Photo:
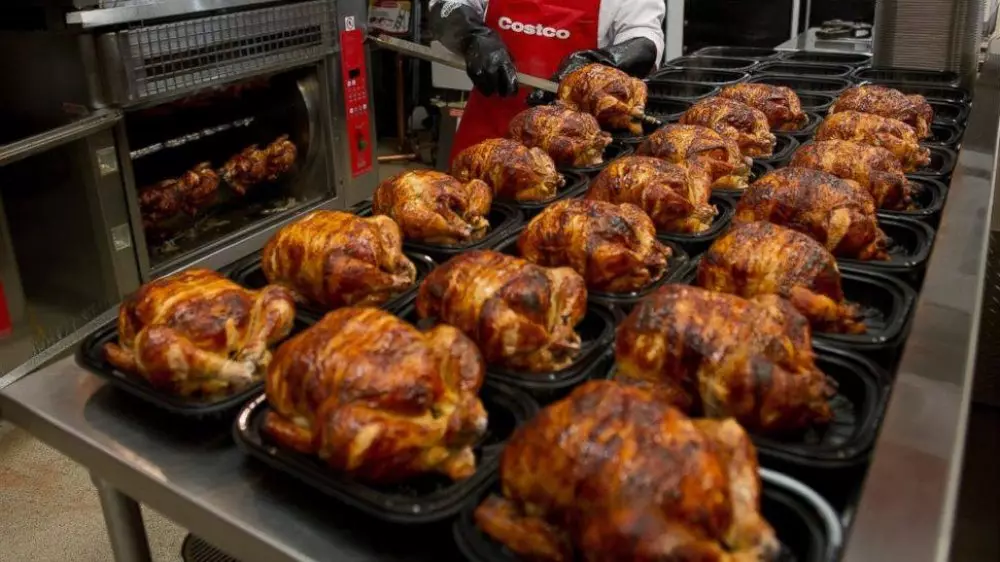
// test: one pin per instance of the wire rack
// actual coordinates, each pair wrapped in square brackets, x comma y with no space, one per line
[192,54]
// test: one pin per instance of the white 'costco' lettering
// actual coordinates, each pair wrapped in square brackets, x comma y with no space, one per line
[508,24]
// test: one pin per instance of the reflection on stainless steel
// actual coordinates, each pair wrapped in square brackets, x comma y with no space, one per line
[807,41]
[52,138]
[182,140]
[127,11]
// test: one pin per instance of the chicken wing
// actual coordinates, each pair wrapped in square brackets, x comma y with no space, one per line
[513,170]
[572,138]
[887,102]
[435,208]
[720,156]
[874,130]
[780,104]
[874,168]
[736,121]
[607,93]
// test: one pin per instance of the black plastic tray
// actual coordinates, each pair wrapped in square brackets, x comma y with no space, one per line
[950,113]
[696,244]
[715,63]
[612,152]
[687,91]
[752,53]
[928,194]
[249,273]
[576,185]
[426,499]
[821,57]
[805,84]
[667,110]
[910,244]
[710,76]
[806,525]
[758,169]
[785,145]
[807,131]
[90,356]
[908,75]
[932,92]
[943,162]
[816,102]
[503,218]
[804,69]
[944,135]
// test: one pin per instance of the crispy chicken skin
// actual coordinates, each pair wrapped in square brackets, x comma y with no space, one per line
[760,258]
[331,259]
[874,130]
[376,398]
[734,120]
[614,247]
[520,314]
[683,144]
[887,102]
[513,170]
[719,355]
[572,138]
[839,214]
[780,104]
[253,165]
[874,168]
[607,93]
[614,473]
[191,192]
[198,333]
[435,208]
[675,197]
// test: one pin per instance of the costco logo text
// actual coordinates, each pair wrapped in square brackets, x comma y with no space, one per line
[532,29]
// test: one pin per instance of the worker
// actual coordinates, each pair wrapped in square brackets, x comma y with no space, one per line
[544,38]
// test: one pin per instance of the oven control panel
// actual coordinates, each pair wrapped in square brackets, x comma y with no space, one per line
[355,76]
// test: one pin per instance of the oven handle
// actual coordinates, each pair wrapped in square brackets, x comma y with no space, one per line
[29,146]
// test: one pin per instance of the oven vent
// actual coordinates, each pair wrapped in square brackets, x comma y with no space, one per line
[147,62]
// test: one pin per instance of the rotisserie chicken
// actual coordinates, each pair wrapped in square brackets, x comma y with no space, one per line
[196,333]
[254,165]
[614,473]
[376,398]
[683,144]
[435,208]
[887,102]
[513,170]
[720,355]
[607,93]
[572,138]
[874,168]
[780,104]
[874,130]
[675,197]
[190,193]
[520,314]
[839,214]
[734,120]
[331,259]
[760,258]
[614,247]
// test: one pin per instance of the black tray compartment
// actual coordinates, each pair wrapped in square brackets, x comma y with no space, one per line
[612,152]
[944,135]
[758,169]
[424,500]
[709,76]
[816,102]
[933,92]
[950,113]
[928,194]
[749,53]
[686,91]
[804,69]
[907,75]
[943,162]
[806,525]
[807,131]
[785,145]
[575,186]
[910,244]
[667,110]
[822,57]
[696,244]
[713,63]
[805,84]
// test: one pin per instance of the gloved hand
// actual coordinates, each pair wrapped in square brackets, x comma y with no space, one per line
[636,57]
[487,62]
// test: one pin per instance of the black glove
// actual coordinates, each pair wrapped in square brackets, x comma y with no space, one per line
[636,57]
[487,61]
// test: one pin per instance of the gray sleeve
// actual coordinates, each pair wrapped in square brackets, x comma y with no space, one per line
[478,5]
[639,18]
[450,31]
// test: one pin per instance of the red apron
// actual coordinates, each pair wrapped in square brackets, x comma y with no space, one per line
[539,34]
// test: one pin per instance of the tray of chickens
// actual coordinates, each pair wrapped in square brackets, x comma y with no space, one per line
[823,57]
[714,63]
[808,69]
[562,468]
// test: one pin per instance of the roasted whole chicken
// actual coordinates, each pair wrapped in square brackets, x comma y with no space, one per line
[520,314]
[675,197]
[331,259]
[255,165]
[572,138]
[694,144]
[376,398]
[760,258]
[874,130]
[780,104]
[887,102]
[874,168]
[607,93]
[719,355]
[196,333]
[614,473]
[734,120]
[190,193]
[513,170]
[839,214]
[435,208]
[614,247]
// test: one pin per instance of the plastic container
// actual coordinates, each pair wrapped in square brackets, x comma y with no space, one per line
[423,500]
[785,145]
[575,186]
[699,76]
[756,171]
[928,194]
[804,69]
[816,102]
[933,92]
[910,244]
[752,53]
[686,91]
[908,75]
[714,63]
[249,273]
[944,135]
[806,525]
[666,109]
[942,164]
[612,152]
[805,84]
[807,131]
[696,244]
[821,57]
[503,218]
[950,113]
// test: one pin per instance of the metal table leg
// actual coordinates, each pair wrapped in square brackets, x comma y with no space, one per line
[123,519]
